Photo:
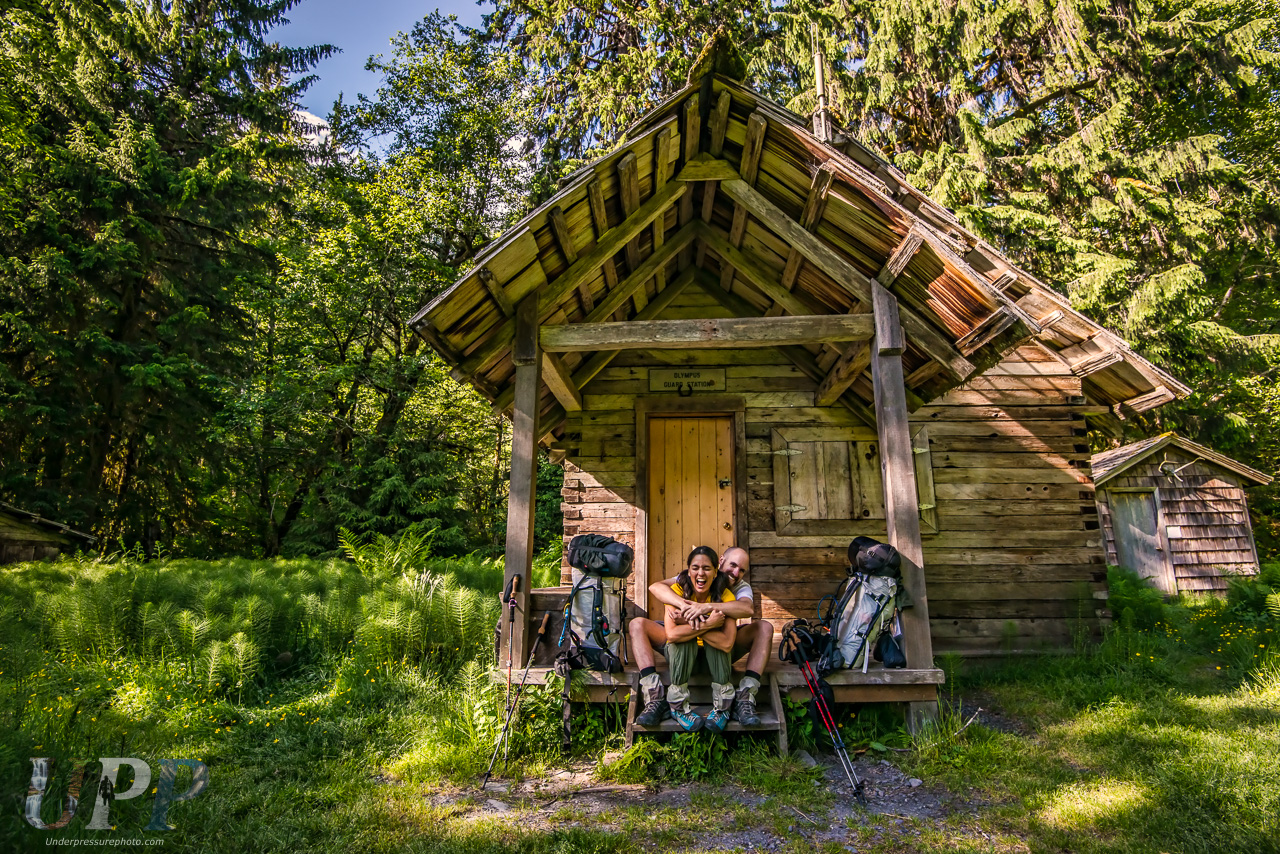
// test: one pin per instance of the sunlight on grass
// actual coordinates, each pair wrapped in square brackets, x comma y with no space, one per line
[1104,803]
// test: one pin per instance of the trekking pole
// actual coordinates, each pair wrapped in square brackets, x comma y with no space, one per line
[511,709]
[510,595]
[828,721]
[797,647]
[859,790]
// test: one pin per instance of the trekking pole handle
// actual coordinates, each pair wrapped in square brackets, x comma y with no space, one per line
[513,587]
[546,620]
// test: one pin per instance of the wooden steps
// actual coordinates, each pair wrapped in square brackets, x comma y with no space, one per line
[768,701]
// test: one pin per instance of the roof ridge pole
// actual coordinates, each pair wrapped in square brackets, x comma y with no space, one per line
[821,116]
[898,476]
[526,355]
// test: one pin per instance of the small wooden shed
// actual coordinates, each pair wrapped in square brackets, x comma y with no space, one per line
[735,329]
[1175,511]
[28,536]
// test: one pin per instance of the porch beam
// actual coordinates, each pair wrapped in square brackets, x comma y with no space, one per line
[581,271]
[598,362]
[558,379]
[643,273]
[707,170]
[897,465]
[843,373]
[496,291]
[524,467]
[1150,400]
[692,140]
[662,162]
[901,257]
[600,219]
[1095,362]
[724,333]
[798,356]
[815,204]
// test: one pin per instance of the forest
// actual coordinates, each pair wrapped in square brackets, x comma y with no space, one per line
[205,301]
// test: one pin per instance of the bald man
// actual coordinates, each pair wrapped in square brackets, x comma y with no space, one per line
[754,639]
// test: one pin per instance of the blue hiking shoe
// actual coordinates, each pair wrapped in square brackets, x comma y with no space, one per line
[718,720]
[689,721]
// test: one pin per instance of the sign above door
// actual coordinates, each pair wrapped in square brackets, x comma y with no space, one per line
[686,380]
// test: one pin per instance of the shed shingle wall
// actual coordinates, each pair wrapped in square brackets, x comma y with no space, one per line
[1205,515]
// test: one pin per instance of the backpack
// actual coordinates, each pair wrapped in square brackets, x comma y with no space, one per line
[594,615]
[862,608]
[596,554]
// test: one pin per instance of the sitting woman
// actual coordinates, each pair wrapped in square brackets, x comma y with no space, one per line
[711,635]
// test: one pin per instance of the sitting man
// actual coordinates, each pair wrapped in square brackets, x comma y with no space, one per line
[754,639]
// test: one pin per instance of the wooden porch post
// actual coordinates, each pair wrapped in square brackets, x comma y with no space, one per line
[524,474]
[897,463]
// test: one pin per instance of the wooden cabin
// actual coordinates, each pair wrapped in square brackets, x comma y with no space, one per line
[735,330]
[26,536]
[1175,511]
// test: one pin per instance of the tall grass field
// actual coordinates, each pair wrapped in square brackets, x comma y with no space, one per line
[333,701]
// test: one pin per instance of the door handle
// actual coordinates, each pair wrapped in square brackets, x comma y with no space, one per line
[725,482]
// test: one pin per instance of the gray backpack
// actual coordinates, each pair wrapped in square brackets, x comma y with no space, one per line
[593,622]
[863,607]
[594,616]
[859,615]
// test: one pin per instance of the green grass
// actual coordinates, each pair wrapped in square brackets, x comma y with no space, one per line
[1165,739]
[332,699]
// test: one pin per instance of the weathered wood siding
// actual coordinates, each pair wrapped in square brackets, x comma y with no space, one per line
[1013,551]
[20,541]
[1204,515]
[1017,563]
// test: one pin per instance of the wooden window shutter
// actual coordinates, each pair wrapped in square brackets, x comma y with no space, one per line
[827,480]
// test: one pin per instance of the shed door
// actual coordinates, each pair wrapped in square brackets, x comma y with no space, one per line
[691,492]
[1135,522]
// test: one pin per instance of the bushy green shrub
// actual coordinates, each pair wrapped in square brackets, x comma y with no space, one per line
[1134,603]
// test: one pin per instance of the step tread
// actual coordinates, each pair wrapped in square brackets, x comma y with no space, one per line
[768,723]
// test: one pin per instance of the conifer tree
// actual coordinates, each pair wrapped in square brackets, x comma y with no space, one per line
[144,143]
[1125,152]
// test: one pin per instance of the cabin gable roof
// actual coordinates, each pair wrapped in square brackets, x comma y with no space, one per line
[1110,464]
[721,187]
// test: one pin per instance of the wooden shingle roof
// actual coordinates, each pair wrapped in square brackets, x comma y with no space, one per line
[36,520]
[1109,464]
[720,189]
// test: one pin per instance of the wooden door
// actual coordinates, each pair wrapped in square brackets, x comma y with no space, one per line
[690,490]
[1135,522]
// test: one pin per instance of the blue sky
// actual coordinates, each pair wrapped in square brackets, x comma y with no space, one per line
[361,28]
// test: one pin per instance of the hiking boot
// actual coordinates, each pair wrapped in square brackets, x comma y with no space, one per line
[744,710]
[689,721]
[718,720]
[655,712]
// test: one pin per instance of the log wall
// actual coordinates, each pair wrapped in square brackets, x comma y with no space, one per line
[1016,559]
[20,541]
[1205,517]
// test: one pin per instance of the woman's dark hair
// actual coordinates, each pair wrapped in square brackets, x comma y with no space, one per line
[718,586]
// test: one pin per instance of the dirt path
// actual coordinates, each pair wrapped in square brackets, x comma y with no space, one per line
[899,808]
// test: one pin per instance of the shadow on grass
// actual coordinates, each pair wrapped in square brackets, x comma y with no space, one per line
[1141,757]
